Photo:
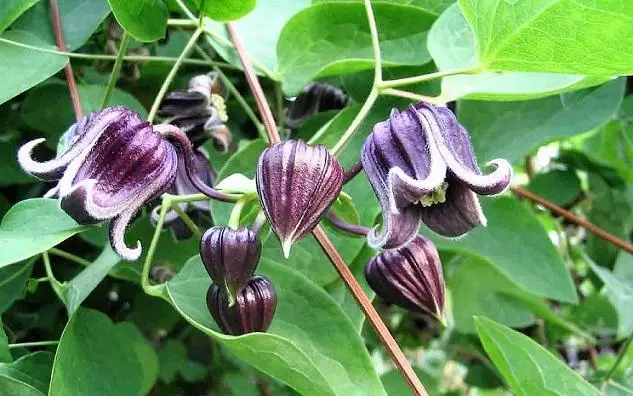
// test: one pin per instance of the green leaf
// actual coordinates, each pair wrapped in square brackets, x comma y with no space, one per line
[172,357]
[10,10]
[333,38]
[12,173]
[33,226]
[13,281]
[296,350]
[227,10]
[452,44]
[477,289]
[528,368]
[145,354]
[558,186]
[78,289]
[395,384]
[95,356]
[611,145]
[433,6]
[5,353]
[48,108]
[259,31]
[557,36]
[80,19]
[145,20]
[27,68]
[33,370]
[512,129]
[516,244]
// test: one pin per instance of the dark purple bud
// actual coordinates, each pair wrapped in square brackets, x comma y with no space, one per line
[409,277]
[422,167]
[296,184]
[253,310]
[115,163]
[230,257]
[313,99]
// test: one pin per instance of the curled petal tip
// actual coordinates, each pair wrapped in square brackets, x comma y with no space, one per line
[286,245]
[117,238]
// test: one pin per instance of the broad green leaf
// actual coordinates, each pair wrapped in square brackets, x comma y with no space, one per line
[452,44]
[512,129]
[27,68]
[611,145]
[477,289]
[227,10]
[172,357]
[557,36]
[12,173]
[597,314]
[311,345]
[259,31]
[145,353]
[78,289]
[558,186]
[10,10]
[48,108]
[80,19]
[517,245]
[434,6]
[395,384]
[145,20]
[32,371]
[240,385]
[33,226]
[528,368]
[13,283]
[5,353]
[333,38]
[95,356]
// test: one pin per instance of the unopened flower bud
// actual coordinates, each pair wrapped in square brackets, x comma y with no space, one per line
[409,277]
[296,184]
[422,167]
[230,257]
[113,164]
[253,310]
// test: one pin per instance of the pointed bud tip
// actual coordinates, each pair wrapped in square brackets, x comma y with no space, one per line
[286,245]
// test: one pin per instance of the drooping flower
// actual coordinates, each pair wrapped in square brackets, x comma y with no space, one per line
[422,167]
[113,164]
[314,98]
[296,184]
[230,257]
[253,310]
[409,277]
[200,111]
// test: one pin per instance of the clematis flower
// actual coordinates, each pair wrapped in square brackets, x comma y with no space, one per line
[421,165]
[296,184]
[409,277]
[314,98]
[253,310]
[230,257]
[114,163]
[200,111]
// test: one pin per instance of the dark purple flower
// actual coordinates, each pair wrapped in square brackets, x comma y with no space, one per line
[200,111]
[114,163]
[296,184]
[230,257]
[314,98]
[422,167]
[409,277]
[253,310]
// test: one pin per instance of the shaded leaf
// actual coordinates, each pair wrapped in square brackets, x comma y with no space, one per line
[228,10]
[32,370]
[10,10]
[558,186]
[145,20]
[13,281]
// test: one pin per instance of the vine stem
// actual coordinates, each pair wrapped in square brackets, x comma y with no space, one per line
[438,100]
[352,284]
[401,82]
[172,74]
[619,359]
[349,132]
[33,344]
[68,69]
[69,256]
[594,229]
[187,220]
[165,205]
[116,69]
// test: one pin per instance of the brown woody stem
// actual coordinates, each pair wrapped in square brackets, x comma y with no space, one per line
[594,229]
[352,284]
[68,69]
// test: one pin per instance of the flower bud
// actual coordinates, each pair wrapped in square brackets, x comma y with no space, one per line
[252,312]
[422,167]
[296,184]
[114,163]
[230,257]
[313,99]
[409,277]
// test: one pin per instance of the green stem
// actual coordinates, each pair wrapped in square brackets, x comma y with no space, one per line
[621,355]
[426,77]
[187,220]
[33,344]
[347,135]
[57,286]
[115,69]
[147,288]
[188,198]
[438,100]
[69,256]
[185,9]
[130,58]
[172,74]
[181,22]
[234,219]
[375,42]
